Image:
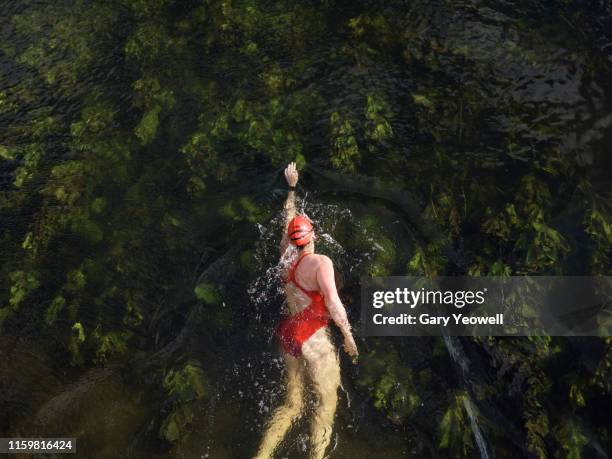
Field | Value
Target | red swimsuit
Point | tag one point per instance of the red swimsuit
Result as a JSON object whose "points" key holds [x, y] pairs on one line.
{"points": [[295, 329]]}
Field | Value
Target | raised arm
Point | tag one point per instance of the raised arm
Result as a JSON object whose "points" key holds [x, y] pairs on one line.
{"points": [[291, 175], [327, 286]]}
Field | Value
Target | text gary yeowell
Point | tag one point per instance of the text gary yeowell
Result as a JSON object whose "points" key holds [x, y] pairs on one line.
{"points": [[412, 298]]}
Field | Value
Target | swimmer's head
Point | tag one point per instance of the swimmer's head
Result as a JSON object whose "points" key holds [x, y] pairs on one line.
{"points": [[300, 231]]}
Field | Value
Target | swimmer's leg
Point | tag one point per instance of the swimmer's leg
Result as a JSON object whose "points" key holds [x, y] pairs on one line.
{"points": [[324, 370], [289, 411]]}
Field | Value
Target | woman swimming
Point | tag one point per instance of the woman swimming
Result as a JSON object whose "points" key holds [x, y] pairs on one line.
{"points": [[306, 346]]}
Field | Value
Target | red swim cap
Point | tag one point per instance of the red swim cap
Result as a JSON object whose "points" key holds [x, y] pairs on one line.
{"points": [[300, 230]]}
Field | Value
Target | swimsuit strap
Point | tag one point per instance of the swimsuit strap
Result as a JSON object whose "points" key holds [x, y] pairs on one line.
{"points": [[293, 267], [291, 276]]}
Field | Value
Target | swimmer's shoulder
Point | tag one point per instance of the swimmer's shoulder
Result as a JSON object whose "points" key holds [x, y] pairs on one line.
{"points": [[323, 260]]}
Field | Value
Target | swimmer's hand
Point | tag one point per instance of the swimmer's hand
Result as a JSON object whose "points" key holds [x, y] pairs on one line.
{"points": [[291, 174], [351, 348]]}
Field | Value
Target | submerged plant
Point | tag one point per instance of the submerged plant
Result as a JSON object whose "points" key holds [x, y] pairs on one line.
{"points": [[138, 140]]}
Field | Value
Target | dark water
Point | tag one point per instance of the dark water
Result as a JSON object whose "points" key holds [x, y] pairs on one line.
{"points": [[516, 85]]}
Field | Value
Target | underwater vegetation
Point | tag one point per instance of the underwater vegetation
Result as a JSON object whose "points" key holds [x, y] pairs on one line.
{"points": [[140, 145]]}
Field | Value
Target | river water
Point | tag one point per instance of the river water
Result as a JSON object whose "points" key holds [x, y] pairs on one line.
{"points": [[509, 86]]}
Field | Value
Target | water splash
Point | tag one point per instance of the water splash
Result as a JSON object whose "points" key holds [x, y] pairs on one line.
{"points": [[268, 288]]}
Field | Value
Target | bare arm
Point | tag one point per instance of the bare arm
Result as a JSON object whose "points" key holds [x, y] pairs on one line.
{"points": [[327, 286], [291, 175]]}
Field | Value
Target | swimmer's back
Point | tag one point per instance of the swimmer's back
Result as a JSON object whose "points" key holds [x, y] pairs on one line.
{"points": [[309, 270]]}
